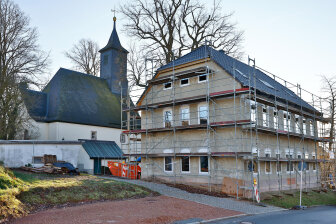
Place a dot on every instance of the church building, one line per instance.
(76, 106)
(76, 117)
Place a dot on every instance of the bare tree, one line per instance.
(85, 57)
(329, 89)
(182, 25)
(138, 62)
(21, 61)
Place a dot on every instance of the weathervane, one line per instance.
(114, 11)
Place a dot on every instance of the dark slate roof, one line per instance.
(36, 103)
(102, 149)
(75, 97)
(242, 72)
(114, 42)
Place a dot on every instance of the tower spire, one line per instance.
(114, 17)
(113, 62)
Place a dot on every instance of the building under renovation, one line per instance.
(211, 121)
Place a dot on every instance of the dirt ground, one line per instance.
(161, 209)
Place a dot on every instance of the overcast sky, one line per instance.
(295, 40)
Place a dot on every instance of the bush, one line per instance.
(7, 179)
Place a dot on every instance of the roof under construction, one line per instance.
(244, 74)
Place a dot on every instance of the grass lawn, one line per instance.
(310, 199)
(25, 192)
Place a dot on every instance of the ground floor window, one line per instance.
(37, 160)
(185, 160)
(314, 164)
(168, 164)
(290, 167)
(204, 164)
(252, 166)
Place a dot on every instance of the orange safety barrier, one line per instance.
(126, 170)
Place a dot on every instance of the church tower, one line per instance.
(113, 63)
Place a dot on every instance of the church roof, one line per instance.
(75, 97)
(36, 103)
(114, 42)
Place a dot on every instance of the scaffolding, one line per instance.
(233, 133)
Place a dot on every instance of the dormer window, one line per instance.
(167, 85)
(203, 78)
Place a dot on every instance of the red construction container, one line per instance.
(126, 170)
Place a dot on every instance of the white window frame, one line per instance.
(297, 124)
(275, 118)
(290, 153)
(164, 117)
(37, 159)
(164, 85)
(181, 117)
(299, 154)
(172, 164)
(286, 117)
(253, 111)
(199, 166)
(314, 158)
(207, 77)
(182, 166)
(199, 112)
(311, 126)
(184, 84)
(304, 126)
(291, 127)
(265, 116)
(94, 135)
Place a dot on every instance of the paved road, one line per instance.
(320, 215)
(226, 203)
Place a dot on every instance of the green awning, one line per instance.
(102, 149)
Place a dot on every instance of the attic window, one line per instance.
(167, 85)
(266, 84)
(203, 78)
(184, 82)
(242, 74)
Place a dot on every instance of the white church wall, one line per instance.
(57, 131)
(21, 153)
(43, 129)
(84, 161)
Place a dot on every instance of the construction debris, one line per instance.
(52, 166)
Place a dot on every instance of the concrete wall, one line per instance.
(20, 154)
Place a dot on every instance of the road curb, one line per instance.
(219, 219)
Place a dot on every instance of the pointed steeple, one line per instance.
(114, 42)
(113, 64)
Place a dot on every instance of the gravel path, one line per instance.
(226, 203)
